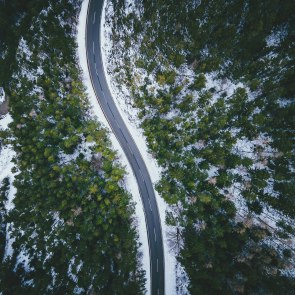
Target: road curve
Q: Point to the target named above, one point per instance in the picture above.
(104, 97)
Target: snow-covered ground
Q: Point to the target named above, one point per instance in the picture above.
(2, 95)
(6, 155)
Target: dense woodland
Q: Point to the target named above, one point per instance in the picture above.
(15, 20)
(72, 227)
(213, 83)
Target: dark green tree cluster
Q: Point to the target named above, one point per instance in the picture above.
(194, 131)
(15, 20)
(72, 223)
(4, 190)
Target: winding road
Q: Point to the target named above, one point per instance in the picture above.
(104, 97)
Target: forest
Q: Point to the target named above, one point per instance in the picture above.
(72, 227)
(213, 86)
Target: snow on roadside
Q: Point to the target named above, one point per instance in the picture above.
(128, 114)
(131, 184)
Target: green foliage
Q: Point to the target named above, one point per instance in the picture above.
(233, 140)
(199, 82)
(243, 267)
(4, 190)
(72, 218)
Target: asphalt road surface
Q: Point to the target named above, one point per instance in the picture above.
(125, 139)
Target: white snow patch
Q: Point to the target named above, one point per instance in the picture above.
(276, 37)
(83, 148)
(5, 121)
(6, 155)
(24, 49)
(2, 95)
(182, 280)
